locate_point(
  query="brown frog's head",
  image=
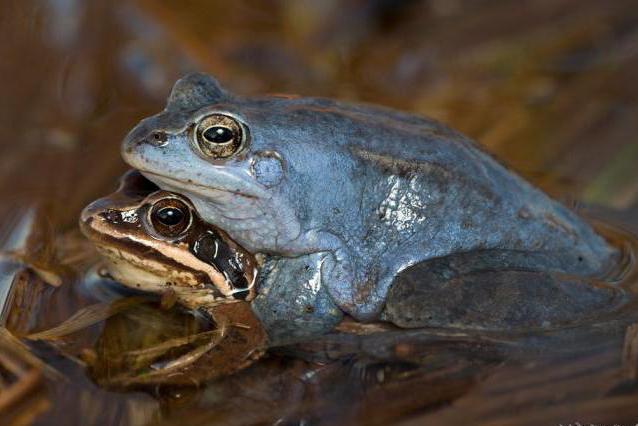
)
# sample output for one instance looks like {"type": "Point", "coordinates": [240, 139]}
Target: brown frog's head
{"type": "Point", "coordinates": [155, 241]}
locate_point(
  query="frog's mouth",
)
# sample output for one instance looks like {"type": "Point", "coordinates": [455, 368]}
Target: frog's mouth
{"type": "Point", "coordinates": [141, 272]}
{"type": "Point", "coordinates": [210, 191]}
{"type": "Point", "coordinates": [136, 266]}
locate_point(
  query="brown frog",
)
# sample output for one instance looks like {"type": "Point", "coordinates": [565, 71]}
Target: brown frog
{"type": "Point", "coordinates": [154, 241]}
{"type": "Point", "coordinates": [345, 202]}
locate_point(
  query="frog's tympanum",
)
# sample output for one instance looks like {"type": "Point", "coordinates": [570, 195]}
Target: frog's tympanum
{"type": "Point", "coordinates": [343, 201]}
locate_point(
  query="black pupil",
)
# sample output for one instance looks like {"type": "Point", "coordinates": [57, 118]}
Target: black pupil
{"type": "Point", "coordinates": [218, 134]}
{"type": "Point", "coordinates": [170, 216]}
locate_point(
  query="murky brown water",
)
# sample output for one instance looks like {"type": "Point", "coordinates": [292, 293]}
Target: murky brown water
{"type": "Point", "coordinates": [546, 85]}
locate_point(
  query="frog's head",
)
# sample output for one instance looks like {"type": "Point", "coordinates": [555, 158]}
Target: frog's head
{"type": "Point", "coordinates": [154, 241]}
{"type": "Point", "coordinates": [247, 164]}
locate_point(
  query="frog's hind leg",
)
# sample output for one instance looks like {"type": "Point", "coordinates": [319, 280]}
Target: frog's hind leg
{"type": "Point", "coordinates": [496, 290]}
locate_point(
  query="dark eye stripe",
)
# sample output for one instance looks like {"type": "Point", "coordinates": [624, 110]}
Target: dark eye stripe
{"type": "Point", "coordinates": [211, 249]}
{"type": "Point", "coordinates": [241, 295]}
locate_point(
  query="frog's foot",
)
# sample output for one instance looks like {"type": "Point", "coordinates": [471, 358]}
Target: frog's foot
{"type": "Point", "coordinates": [440, 293]}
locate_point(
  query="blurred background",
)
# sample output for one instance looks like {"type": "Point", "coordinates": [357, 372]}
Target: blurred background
{"type": "Point", "coordinates": [549, 86]}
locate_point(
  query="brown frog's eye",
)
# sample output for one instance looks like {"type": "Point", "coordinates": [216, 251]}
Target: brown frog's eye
{"type": "Point", "coordinates": [219, 136]}
{"type": "Point", "coordinates": [170, 217]}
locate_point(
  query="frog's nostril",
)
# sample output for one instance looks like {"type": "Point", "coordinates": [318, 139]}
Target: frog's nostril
{"type": "Point", "coordinates": [156, 138]}
{"type": "Point", "coordinates": [112, 216]}
{"type": "Point", "coordinates": [142, 136]}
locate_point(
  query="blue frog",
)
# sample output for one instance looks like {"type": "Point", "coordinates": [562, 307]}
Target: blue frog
{"type": "Point", "coordinates": [370, 212]}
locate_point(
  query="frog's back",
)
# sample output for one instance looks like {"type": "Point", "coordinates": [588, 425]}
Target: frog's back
{"type": "Point", "coordinates": [419, 188]}
{"type": "Point", "coordinates": [393, 138]}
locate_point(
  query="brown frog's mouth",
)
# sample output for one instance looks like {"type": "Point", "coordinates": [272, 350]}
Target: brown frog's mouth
{"type": "Point", "coordinates": [136, 266]}
{"type": "Point", "coordinates": [127, 250]}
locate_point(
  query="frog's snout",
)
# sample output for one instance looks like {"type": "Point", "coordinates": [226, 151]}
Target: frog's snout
{"type": "Point", "coordinates": [136, 146]}
{"type": "Point", "coordinates": [133, 141]}
{"type": "Point", "coordinates": [130, 144]}
{"type": "Point", "coordinates": [91, 211]}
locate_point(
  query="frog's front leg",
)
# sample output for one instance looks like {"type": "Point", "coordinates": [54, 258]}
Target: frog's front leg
{"type": "Point", "coordinates": [497, 290]}
{"type": "Point", "coordinates": [293, 303]}
{"type": "Point", "coordinates": [338, 275]}
{"type": "Point", "coordinates": [337, 271]}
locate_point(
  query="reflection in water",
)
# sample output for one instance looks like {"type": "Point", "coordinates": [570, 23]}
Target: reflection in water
{"type": "Point", "coordinates": [542, 85]}
{"type": "Point", "coordinates": [13, 239]}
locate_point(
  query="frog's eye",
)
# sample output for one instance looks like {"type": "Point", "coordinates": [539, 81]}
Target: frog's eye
{"type": "Point", "coordinates": [170, 217]}
{"type": "Point", "coordinates": [219, 136]}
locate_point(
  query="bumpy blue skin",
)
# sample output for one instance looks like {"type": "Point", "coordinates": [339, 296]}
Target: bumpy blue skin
{"type": "Point", "coordinates": [342, 197]}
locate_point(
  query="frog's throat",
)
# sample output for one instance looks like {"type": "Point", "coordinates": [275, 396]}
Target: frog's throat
{"type": "Point", "coordinates": [259, 221]}
{"type": "Point", "coordinates": [139, 278]}
{"type": "Point", "coordinates": [132, 272]}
